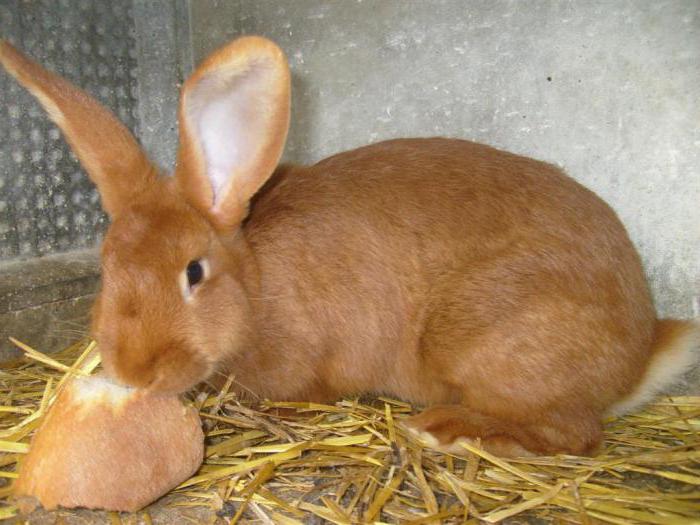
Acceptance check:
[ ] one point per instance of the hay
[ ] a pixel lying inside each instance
(350, 462)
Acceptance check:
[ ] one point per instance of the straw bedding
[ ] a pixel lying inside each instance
(350, 462)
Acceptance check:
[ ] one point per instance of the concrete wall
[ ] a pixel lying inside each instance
(607, 90)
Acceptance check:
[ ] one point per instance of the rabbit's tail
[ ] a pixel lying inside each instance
(675, 351)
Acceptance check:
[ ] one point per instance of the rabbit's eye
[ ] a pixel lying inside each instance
(195, 273)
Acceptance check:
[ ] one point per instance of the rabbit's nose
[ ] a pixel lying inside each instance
(178, 368)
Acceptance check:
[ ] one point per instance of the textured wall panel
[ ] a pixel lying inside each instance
(607, 90)
(164, 58)
(47, 204)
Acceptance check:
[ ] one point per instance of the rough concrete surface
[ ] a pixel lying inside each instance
(164, 56)
(45, 302)
(607, 90)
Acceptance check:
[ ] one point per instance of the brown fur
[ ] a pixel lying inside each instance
(440, 271)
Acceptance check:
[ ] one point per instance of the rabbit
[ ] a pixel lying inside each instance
(489, 288)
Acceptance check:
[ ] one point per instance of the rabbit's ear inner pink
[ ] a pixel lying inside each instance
(234, 117)
(106, 149)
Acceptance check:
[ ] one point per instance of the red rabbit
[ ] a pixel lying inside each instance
(490, 287)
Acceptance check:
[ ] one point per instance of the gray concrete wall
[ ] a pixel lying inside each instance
(607, 90)
(45, 301)
(164, 58)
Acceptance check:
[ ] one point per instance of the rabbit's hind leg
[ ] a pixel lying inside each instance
(534, 370)
(444, 427)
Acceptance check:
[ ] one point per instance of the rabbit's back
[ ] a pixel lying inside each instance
(437, 191)
(362, 250)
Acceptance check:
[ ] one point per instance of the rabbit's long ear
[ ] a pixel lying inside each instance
(106, 149)
(234, 116)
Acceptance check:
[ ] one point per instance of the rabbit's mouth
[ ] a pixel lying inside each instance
(172, 369)
(177, 382)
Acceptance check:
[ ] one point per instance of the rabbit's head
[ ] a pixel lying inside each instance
(173, 304)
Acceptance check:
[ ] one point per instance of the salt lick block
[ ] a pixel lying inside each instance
(106, 446)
